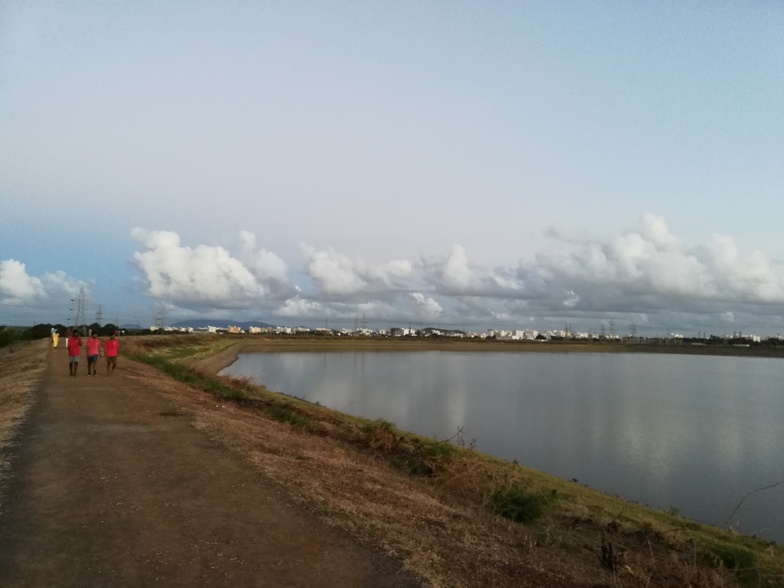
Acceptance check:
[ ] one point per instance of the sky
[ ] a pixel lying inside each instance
(456, 164)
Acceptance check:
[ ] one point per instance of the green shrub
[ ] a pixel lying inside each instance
(284, 415)
(411, 465)
(11, 335)
(518, 504)
(439, 450)
(733, 557)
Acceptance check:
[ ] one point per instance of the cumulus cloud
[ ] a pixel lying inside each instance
(645, 275)
(206, 274)
(265, 265)
(18, 288)
(453, 274)
(298, 307)
(641, 273)
(336, 274)
(426, 308)
(651, 261)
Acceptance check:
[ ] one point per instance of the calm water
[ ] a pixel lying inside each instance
(695, 433)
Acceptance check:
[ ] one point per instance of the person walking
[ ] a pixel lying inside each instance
(111, 350)
(93, 353)
(55, 338)
(74, 351)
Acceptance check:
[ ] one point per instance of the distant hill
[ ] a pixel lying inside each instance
(220, 323)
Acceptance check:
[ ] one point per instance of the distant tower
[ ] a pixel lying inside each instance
(160, 318)
(612, 328)
(99, 316)
(79, 320)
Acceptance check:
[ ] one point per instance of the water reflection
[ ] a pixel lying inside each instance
(693, 432)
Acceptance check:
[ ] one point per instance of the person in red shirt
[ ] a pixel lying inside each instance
(112, 350)
(74, 351)
(93, 352)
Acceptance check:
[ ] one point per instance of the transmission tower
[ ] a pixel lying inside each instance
(99, 316)
(79, 320)
(160, 318)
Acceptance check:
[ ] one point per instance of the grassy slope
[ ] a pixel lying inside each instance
(21, 370)
(566, 531)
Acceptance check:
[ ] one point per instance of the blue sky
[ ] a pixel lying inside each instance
(477, 164)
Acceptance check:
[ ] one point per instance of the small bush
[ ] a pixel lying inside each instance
(733, 557)
(411, 465)
(380, 434)
(283, 415)
(518, 504)
(439, 450)
(11, 335)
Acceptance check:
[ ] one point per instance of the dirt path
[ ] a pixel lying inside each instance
(112, 487)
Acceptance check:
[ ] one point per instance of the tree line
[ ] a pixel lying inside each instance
(11, 335)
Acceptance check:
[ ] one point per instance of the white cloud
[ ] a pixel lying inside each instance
(651, 261)
(298, 307)
(453, 274)
(18, 288)
(336, 274)
(207, 275)
(426, 308)
(264, 265)
(646, 273)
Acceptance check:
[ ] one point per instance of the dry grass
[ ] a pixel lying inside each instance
(21, 370)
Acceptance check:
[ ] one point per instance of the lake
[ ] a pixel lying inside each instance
(693, 433)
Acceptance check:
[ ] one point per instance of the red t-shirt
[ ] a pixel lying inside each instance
(93, 346)
(112, 347)
(74, 346)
